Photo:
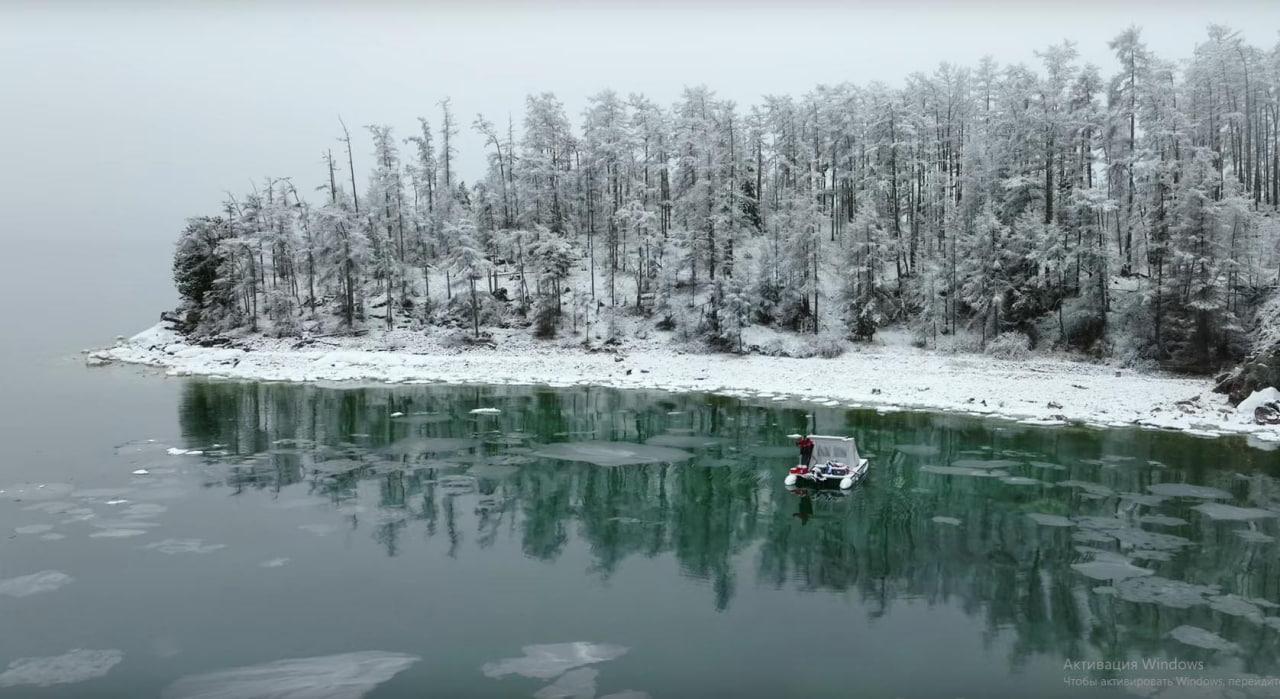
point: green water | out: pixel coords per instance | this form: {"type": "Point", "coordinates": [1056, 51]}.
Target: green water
{"type": "Point", "coordinates": [438, 544]}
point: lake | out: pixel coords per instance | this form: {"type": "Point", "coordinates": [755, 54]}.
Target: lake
{"type": "Point", "coordinates": [182, 537]}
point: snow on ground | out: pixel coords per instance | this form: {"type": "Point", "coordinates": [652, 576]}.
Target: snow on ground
{"type": "Point", "coordinates": [1037, 391]}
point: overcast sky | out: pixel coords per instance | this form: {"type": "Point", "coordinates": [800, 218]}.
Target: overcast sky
{"type": "Point", "coordinates": [121, 120]}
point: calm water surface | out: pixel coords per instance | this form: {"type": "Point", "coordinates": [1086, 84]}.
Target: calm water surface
{"type": "Point", "coordinates": [388, 540]}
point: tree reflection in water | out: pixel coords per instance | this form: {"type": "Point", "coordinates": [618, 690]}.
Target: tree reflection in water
{"type": "Point", "coordinates": [407, 462]}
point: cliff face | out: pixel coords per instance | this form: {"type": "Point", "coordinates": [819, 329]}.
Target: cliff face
{"type": "Point", "coordinates": [1262, 368]}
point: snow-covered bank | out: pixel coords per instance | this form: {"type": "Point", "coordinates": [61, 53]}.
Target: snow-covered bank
{"type": "Point", "coordinates": [1042, 391]}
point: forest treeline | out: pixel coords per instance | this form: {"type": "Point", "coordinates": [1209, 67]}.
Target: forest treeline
{"type": "Point", "coordinates": [1127, 214]}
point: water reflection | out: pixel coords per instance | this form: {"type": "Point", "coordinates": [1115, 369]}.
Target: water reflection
{"type": "Point", "coordinates": [1083, 543]}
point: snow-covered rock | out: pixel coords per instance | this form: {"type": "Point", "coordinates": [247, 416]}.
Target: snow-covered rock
{"type": "Point", "coordinates": [1262, 406]}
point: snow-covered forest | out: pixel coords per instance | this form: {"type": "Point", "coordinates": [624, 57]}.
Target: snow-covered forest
{"type": "Point", "coordinates": [1124, 211]}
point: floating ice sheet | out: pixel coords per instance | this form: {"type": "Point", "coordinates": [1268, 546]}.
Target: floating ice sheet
{"type": "Point", "coordinates": [35, 491]}
{"type": "Point", "coordinates": [76, 666]}
{"type": "Point", "coordinates": [960, 471]}
{"type": "Point", "coordinates": [1202, 638]}
{"type": "Point", "coordinates": [1097, 489]}
{"type": "Point", "coordinates": [414, 446]}
{"type": "Point", "coordinates": [344, 676]}
{"type": "Point", "coordinates": [548, 660]}
{"type": "Point", "coordinates": [612, 453]}
{"type": "Point", "coordinates": [574, 684]}
{"type": "Point", "coordinates": [420, 418]}
{"type": "Point", "coordinates": [682, 441]}
{"type": "Point", "coordinates": [1186, 490]}
{"type": "Point", "coordinates": [174, 546]}
{"type": "Point", "coordinates": [1219, 511]}
{"type": "Point", "coordinates": [26, 585]}
{"type": "Point", "coordinates": [1164, 592]}
{"type": "Point", "coordinates": [1110, 568]}
{"type": "Point", "coordinates": [1162, 520]}
{"type": "Point", "coordinates": [1233, 605]}
{"type": "Point", "coordinates": [985, 464]}
{"type": "Point", "coordinates": [117, 533]}
{"type": "Point", "coordinates": [917, 449]}
{"type": "Point", "coordinates": [1047, 520]}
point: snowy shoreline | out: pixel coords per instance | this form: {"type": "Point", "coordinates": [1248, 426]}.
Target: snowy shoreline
{"type": "Point", "coordinates": [1034, 391]}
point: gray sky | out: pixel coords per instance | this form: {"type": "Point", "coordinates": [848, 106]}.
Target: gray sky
{"type": "Point", "coordinates": [120, 121]}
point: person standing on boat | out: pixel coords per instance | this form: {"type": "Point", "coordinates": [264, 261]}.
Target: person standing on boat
{"type": "Point", "coordinates": [806, 450]}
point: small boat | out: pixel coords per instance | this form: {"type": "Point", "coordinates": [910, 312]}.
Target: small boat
{"type": "Point", "coordinates": [835, 463]}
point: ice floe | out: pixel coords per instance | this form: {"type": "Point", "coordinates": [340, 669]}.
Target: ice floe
{"type": "Point", "coordinates": [1219, 511]}
{"type": "Point", "coordinates": [545, 661]}
{"type": "Point", "coordinates": [1202, 638]}
{"type": "Point", "coordinates": [917, 449]}
{"type": "Point", "coordinates": [1162, 520]}
{"type": "Point", "coordinates": [117, 533]}
{"type": "Point", "coordinates": [1162, 591]}
{"type": "Point", "coordinates": [35, 491]}
{"type": "Point", "coordinates": [1047, 520]}
{"type": "Point", "coordinates": [343, 676]}
{"type": "Point", "coordinates": [574, 684]}
{"type": "Point", "coordinates": [33, 584]}
{"type": "Point", "coordinates": [75, 666]}
{"type": "Point", "coordinates": [176, 546]}
{"type": "Point", "coordinates": [1186, 490]}
{"type": "Point", "coordinates": [1095, 489]}
{"type": "Point", "coordinates": [612, 453]}
{"type": "Point", "coordinates": [1110, 568]}
{"type": "Point", "coordinates": [961, 471]}
{"type": "Point", "coordinates": [682, 441]}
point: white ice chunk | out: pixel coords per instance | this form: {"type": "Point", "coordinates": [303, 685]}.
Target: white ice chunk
{"type": "Point", "coordinates": [1110, 570]}
{"type": "Point", "coordinates": [548, 660]}
{"type": "Point", "coordinates": [76, 666]}
{"type": "Point", "coordinates": [682, 441]}
{"type": "Point", "coordinates": [1217, 510]}
{"type": "Point", "coordinates": [574, 684]}
{"type": "Point", "coordinates": [173, 546]}
{"type": "Point", "coordinates": [344, 676]}
{"type": "Point", "coordinates": [1047, 520]}
{"type": "Point", "coordinates": [612, 453]}
{"type": "Point", "coordinates": [1185, 490]}
{"type": "Point", "coordinates": [25, 585]}
{"type": "Point", "coordinates": [1202, 638]}
{"type": "Point", "coordinates": [117, 533]}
